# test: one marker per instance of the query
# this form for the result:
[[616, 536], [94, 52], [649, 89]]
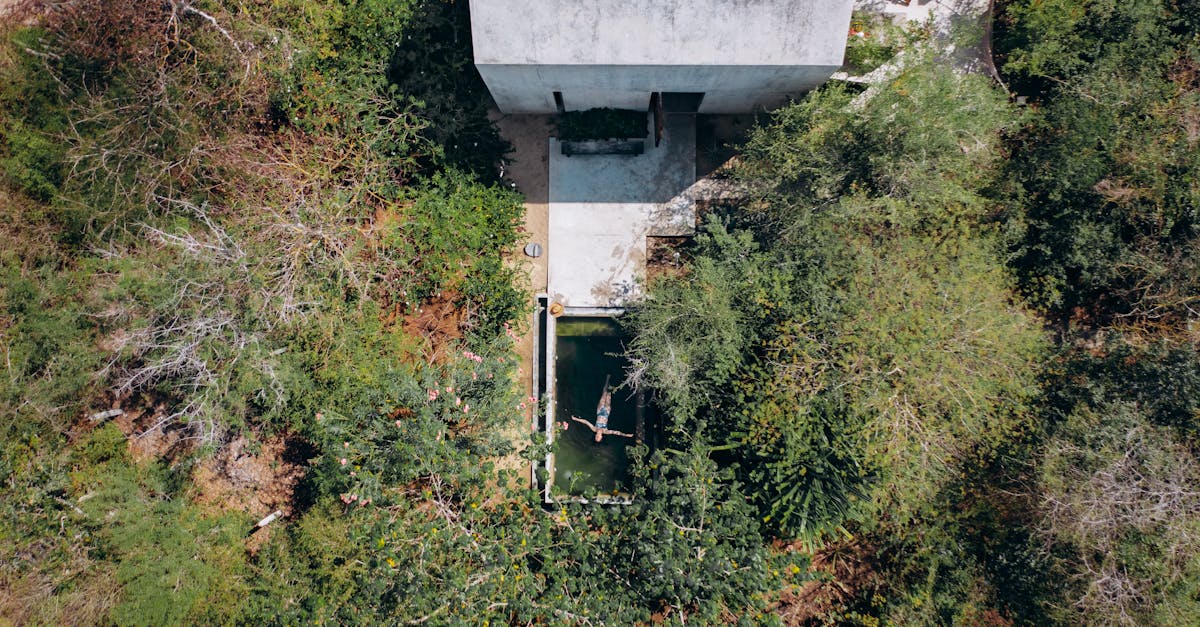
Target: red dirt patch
[[142, 420], [438, 322], [666, 256], [847, 570]]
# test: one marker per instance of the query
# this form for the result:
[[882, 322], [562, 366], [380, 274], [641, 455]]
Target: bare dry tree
[[1139, 482], [191, 344]]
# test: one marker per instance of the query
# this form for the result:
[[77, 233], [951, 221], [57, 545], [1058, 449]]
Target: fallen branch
[[101, 416], [187, 8]]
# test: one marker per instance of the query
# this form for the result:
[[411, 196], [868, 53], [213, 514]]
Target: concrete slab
[[602, 208]]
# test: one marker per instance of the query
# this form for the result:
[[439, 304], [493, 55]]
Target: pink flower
[[320, 415], [474, 376], [449, 390], [353, 474], [457, 401], [345, 445], [522, 405], [466, 408], [489, 375], [343, 461], [397, 423], [433, 395]]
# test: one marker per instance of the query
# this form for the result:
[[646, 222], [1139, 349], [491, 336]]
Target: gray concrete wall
[[727, 88], [742, 54]]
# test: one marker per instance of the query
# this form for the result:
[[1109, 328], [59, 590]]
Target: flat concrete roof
[[602, 208], [660, 32], [743, 55]]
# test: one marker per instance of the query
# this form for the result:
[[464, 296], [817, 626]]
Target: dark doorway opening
[[681, 101]]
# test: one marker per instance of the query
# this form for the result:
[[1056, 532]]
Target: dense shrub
[[1105, 199], [841, 351], [399, 76], [1102, 199], [454, 544], [601, 124]]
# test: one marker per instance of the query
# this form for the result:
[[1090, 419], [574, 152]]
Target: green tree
[[1105, 200]]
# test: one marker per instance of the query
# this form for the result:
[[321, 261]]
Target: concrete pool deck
[[603, 207]]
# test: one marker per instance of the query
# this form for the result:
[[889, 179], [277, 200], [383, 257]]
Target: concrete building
[[602, 212], [607, 209], [705, 56]]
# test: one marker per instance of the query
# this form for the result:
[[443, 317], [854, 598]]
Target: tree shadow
[[433, 68]]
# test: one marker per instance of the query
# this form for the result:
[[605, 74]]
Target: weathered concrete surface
[[603, 207], [659, 32], [742, 54]]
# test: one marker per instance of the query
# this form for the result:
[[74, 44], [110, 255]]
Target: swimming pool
[[582, 347]]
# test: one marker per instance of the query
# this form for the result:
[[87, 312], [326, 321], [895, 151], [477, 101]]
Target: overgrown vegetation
[[1102, 196], [938, 367], [853, 340], [238, 223], [848, 339]]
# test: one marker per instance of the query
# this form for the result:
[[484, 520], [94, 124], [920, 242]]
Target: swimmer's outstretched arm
[[581, 420]]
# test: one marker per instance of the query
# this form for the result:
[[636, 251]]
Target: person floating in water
[[603, 409]]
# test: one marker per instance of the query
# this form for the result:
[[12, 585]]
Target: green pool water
[[586, 350]]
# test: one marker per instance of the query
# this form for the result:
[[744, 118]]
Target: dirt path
[[528, 168]]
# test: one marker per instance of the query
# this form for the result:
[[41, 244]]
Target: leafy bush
[[34, 162], [838, 398], [50, 354], [446, 227], [416, 425], [398, 76], [690, 343], [601, 124]]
